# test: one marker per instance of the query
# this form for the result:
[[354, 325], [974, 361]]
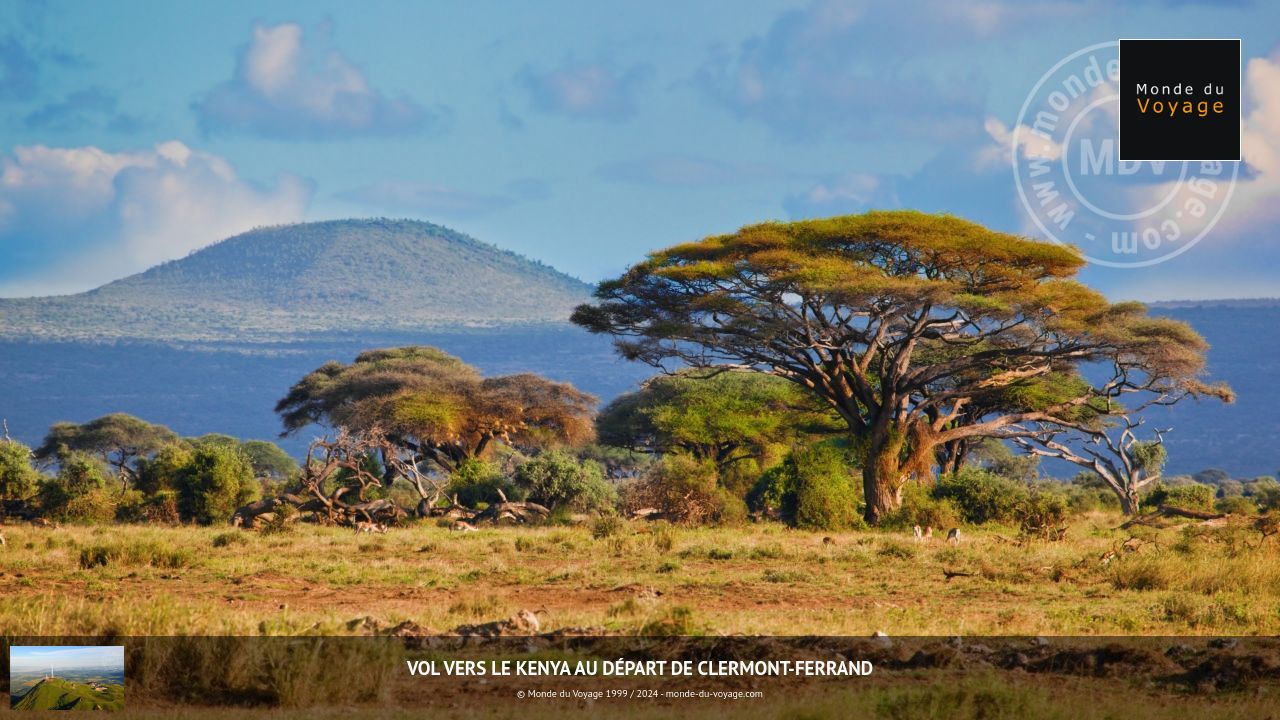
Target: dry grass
[[758, 579]]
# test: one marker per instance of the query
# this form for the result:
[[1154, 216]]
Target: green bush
[[920, 507], [1042, 514], [79, 492], [814, 488], [476, 481], [18, 480], [1266, 495], [218, 480], [160, 473], [607, 526], [1236, 505], [557, 479], [981, 496], [92, 507], [1192, 496]]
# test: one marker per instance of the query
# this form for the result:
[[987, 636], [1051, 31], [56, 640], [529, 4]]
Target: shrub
[[78, 493], [920, 507], [557, 479], [160, 473], [476, 481], [137, 552], [813, 488], [1042, 514], [18, 480], [1236, 505], [227, 539], [981, 496], [1266, 495], [680, 488], [1192, 496], [93, 507], [218, 480], [607, 526]]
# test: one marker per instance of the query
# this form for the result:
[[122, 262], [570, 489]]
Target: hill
[[59, 694], [290, 281]]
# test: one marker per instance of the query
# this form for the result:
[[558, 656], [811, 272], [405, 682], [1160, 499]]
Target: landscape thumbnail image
[[65, 677]]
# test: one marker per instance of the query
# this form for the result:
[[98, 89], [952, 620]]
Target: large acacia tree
[[920, 331], [434, 410]]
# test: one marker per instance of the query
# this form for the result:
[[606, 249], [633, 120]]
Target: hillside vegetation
[[59, 694], [290, 281]]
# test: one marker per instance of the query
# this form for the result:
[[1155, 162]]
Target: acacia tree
[[434, 410], [1110, 447], [119, 439], [902, 322], [724, 418]]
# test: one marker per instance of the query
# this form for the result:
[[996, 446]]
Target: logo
[[1077, 189], [1180, 100]]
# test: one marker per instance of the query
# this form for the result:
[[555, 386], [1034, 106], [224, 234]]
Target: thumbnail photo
[[66, 677]]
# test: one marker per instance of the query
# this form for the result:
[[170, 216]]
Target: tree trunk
[[882, 476], [1129, 501]]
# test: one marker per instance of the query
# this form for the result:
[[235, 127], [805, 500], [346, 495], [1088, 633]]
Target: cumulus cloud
[[843, 194], [592, 91], [841, 68], [74, 218], [289, 87]]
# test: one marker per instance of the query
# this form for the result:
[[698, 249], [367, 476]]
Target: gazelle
[[953, 536], [368, 527]]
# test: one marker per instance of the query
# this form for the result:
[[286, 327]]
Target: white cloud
[[285, 87], [74, 218], [585, 90]]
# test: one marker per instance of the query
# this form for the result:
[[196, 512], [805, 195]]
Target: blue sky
[[579, 133], [65, 657]]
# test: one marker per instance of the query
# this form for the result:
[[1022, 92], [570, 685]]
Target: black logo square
[[1179, 99]]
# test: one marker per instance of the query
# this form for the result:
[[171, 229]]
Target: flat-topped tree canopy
[[435, 405], [919, 330]]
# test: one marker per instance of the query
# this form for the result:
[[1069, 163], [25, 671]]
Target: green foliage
[[1042, 514], [1266, 495], [607, 526], [18, 479], [160, 472], [1193, 496], [431, 403], [1236, 505], [813, 488], [118, 438], [218, 480], [556, 479], [78, 493], [292, 281], [477, 481], [684, 490], [920, 507], [730, 419], [980, 495], [995, 455]]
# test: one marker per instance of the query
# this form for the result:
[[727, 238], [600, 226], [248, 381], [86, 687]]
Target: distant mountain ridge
[[290, 281]]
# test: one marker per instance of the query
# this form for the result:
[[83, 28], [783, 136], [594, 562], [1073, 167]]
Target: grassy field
[[757, 579]]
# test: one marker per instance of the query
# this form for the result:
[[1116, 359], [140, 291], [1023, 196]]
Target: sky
[[582, 134], [65, 657]]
